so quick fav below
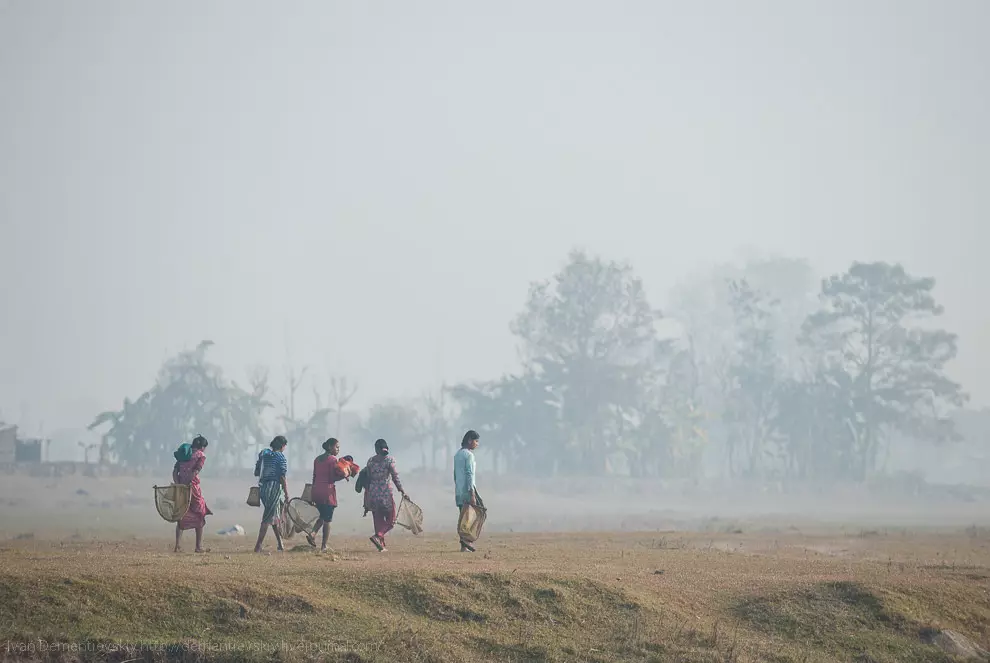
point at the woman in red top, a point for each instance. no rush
(187, 471)
(326, 471)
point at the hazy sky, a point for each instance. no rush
(376, 183)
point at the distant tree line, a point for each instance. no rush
(753, 367)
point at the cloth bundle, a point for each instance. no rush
(348, 467)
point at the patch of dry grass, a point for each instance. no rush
(716, 596)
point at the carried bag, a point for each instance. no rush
(409, 516)
(172, 501)
(362, 480)
(307, 494)
(254, 493)
(472, 519)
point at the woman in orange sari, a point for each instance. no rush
(189, 462)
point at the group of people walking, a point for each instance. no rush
(329, 467)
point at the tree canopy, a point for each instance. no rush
(765, 379)
(190, 397)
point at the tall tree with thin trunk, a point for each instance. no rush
(874, 330)
(437, 425)
(590, 337)
(751, 401)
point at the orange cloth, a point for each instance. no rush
(348, 468)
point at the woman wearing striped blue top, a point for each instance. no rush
(270, 470)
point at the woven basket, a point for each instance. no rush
(172, 501)
(302, 514)
(472, 520)
(410, 516)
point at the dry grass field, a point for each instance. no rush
(778, 590)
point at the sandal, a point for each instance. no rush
(310, 540)
(374, 540)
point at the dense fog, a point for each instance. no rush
(693, 245)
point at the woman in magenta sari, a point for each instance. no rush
(188, 464)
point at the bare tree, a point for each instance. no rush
(342, 391)
(437, 422)
(294, 382)
(317, 398)
(258, 380)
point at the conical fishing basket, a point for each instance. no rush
(472, 520)
(302, 515)
(409, 516)
(172, 501)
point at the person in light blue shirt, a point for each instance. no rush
(464, 472)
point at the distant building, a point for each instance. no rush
(29, 451)
(8, 443)
(14, 450)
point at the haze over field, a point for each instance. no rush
(374, 186)
(708, 279)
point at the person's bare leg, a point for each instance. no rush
(261, 537)
(178, 537)
(326, 535)
(199, 539)
(310, 535)
(278, 537)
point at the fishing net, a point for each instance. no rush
(409, 516)
(302, 515)
(472, 520)
(286, 528)
(172, 501)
